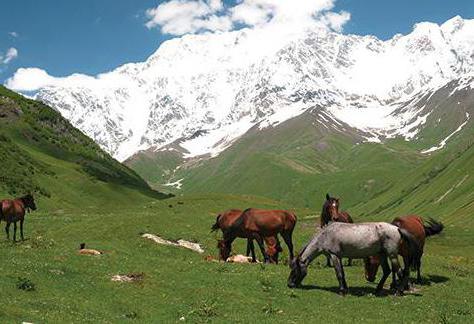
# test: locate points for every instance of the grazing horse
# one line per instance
(331, 213)
(226, 219)
(256, 224)
(339, 240)
(416, 227)
(13, 211)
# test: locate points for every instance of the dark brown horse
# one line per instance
(416, 227)
(13, 210)
(225, 220)
(256, 224)
(331, 213)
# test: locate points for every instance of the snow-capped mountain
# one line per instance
(207, 90)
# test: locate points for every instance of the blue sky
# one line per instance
(93, 36)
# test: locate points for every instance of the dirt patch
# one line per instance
(196, 247)
(129, 277)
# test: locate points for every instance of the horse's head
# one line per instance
(371, 266)
(29, 201)
(299, 269)
(274, 252)
(332, 207)
(224, 249)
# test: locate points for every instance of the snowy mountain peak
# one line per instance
(221, 84)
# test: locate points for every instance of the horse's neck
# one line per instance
(311, 250)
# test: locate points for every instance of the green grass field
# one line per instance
(180, 284)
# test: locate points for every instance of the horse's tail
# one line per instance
(414, 248)
(215, 227)
(433, 227)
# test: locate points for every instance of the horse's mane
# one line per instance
(239, 221)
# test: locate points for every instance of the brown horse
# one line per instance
(257, 224)
(416, 227)
(331, 213)
(13, 211)
(226, 219)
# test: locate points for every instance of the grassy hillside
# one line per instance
(302, 159)
(41, 152)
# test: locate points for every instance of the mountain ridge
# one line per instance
(216, 84)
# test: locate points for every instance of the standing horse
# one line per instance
(256, 224)
(226, 219)
(331, 213)
(13, 211)
(339, 240)
(416, 227)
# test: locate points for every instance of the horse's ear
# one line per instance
(327, 197)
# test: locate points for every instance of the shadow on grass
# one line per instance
(433, 279)
(356, 291)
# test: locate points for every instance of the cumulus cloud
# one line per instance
(32, 79)
(178, 17)
(10, 55)
(13, 34)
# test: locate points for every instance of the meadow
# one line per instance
(179, 285)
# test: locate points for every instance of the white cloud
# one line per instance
(13, 34)
(336, 20)
(178, 17)
(32, 79)
(10, 55)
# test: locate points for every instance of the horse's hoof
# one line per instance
(342, 292)
(399, 293)
(379, 293)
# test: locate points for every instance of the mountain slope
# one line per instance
(299, 160)
(221, 85)
(42, 152)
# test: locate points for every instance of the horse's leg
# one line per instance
(349, 262)
(248, 248)
(259, 240)
(251, 246)
(7, 230)
(339, 274)
(404, 276)
(287, 237)
(328, 261)
(386, 273)
(21, 229)
(14, 231)
(418, 271)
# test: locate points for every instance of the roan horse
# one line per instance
(416, 227)
(14, 210)
(226, 219)
(339, 240)
(257, 224)
(331, 213)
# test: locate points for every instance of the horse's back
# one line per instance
(269, 220)
(414, 225)
(362, 239)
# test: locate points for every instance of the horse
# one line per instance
(331, 213)
(13, 210)
(414, 225)
(257, 224)
(339, 240)
(226, 219)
